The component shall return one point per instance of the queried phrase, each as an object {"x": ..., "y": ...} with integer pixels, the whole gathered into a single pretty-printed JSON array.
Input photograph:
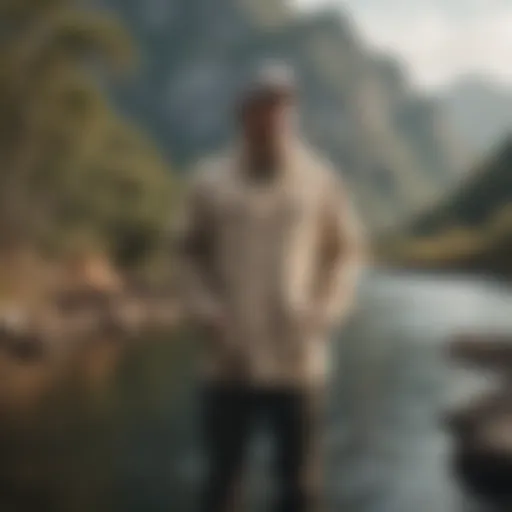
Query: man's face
[{"x": 267, "y": 119}]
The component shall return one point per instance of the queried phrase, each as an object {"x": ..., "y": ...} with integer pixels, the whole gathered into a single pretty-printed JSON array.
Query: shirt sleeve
[
  {"x": 342, "y": 251},
  {"x": 192, "y": 246}
]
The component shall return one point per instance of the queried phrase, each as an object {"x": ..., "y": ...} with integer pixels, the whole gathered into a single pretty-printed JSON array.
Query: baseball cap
[{"x": 271, "y": 78}]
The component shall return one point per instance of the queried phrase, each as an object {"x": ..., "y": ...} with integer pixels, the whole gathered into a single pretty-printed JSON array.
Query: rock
[
  {"x": 483, "y": 462},
  {"x": 17, "y": 337},
  {"x": 482, "y": 455},
  {"x": 483, "y": 351},
  {"x": 482, "y": 429}
]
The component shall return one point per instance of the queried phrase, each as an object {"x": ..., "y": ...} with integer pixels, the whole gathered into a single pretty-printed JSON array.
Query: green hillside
[
  {"x": 483, "y": 193},
  {"x": 471, "y": 231}
]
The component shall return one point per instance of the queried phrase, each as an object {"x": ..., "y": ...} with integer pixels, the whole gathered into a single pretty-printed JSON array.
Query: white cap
[{"x": 270, "y": 76}]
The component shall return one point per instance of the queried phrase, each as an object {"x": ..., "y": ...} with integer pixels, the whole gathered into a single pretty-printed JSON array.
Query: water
[{"x": 390, "y": 384}]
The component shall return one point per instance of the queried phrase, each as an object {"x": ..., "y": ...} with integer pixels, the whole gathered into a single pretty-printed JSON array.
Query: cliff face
[{"x": 357, "y": 107}]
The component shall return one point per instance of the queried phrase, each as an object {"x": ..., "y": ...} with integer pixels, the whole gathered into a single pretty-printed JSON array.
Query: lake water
[{"x": 390, "y": 384}]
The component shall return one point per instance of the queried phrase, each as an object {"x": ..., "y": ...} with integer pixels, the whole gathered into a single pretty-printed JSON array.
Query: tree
[{"x": 69, "y": 161}]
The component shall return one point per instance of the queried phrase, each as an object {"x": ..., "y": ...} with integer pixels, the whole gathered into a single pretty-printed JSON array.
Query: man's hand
[
  {"x": 220, "y": 336},
  {"x": 216, "y": 328},
  {"x": 309, "y": 321}
]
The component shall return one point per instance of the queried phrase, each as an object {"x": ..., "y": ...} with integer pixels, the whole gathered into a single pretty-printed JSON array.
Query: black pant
[{"x": 293, "y": 418}]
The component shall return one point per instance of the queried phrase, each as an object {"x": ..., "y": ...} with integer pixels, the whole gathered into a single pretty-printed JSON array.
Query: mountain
[
  {"x": 482, "y": 194},
  {"x": 471, "y": 230},
  {"x": 481, "y": 110},
  {"x": 394, "y": 147}
]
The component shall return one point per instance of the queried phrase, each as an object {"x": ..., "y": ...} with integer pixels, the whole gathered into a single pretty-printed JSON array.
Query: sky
[{"x": 438, "y": 40}]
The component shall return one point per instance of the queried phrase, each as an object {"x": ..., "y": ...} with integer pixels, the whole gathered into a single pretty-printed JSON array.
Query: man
[{"x": 268, "y": 253}]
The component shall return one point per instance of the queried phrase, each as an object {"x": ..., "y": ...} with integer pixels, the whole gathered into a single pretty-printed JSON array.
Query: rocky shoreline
[{"x": 482, "y": 429}]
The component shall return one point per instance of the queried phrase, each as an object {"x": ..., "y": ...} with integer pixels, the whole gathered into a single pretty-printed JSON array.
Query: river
[{"x": 391, "y": 381}]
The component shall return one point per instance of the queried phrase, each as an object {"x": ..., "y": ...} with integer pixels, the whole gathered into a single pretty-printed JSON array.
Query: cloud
[{"x": 439, "y": 40}]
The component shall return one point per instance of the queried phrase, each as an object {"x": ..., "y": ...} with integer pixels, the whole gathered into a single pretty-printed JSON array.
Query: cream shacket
[{"x": 278, "y": 261}]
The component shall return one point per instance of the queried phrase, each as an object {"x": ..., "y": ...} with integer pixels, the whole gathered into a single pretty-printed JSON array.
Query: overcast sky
[{"x": 438, "y": 39}]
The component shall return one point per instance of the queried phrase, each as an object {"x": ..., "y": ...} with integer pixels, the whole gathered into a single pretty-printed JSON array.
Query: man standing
[{"x": 268, "y": 252}]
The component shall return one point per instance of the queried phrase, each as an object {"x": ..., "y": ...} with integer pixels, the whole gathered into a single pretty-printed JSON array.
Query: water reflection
[
  {"x": 391, "y": 381},
  {"x": 397, "y": 382}
]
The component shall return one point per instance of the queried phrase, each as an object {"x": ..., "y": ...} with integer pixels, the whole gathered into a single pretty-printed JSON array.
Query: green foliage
[{"x": 72, "y": 168}]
